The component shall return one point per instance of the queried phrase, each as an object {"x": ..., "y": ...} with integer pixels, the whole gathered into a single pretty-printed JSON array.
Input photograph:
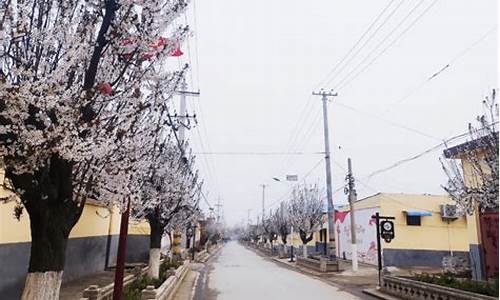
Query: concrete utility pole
[
  {"x": 331, "y": 228},
  {"x": 263, "y": 200},
  {"x": 218, "y": 207},
  {"x": 183, "y": 116},
  {"x": 352, "y": 198}
]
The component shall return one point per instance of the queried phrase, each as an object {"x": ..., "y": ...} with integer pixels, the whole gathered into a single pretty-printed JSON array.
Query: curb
[{"x": 375, "y": 292}]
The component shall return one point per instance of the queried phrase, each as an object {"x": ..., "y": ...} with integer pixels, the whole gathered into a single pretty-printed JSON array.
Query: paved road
[{"x": 240, "y": 274}]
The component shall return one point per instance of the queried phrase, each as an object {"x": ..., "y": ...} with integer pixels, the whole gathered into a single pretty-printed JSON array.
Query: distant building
[{"x": 423, "y": 236}]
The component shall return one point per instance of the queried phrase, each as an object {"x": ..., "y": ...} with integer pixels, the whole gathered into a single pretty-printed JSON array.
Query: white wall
[{"x": 366, "y": 235}]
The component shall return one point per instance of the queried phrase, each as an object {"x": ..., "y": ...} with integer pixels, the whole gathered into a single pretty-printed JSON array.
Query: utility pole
[
  {"x": 351, "y": 191},
  {"x": 183, "y": 116},
  {"x": 248, "y": 217},
  {"x": 331, "y": 228},
  {"x": 263, "y": 201},
  {"x": 218, "y": 206}
]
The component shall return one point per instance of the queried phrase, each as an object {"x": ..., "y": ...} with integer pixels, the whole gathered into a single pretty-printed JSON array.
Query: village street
[
  {"x": 239, "y": 273},
  {"x": 228, "y": 150}
]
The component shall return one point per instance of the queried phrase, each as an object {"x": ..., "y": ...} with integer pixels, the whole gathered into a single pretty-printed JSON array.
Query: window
[{"x": 412, "y": 220}]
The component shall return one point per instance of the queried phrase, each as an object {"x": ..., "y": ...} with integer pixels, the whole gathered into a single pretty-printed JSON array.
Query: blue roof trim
[{"x": 418, "y": 213}]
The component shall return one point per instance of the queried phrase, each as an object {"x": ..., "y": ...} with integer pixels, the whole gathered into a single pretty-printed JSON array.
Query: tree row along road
[{"x": 240, "y": 274}]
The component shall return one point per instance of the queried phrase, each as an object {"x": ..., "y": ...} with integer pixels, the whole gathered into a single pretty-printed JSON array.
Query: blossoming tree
[
  {"x": 169, "y": 198},
  {"x": 306, "y": 211},
  {"x": 473, "y": 182},
  {"x": 72, "y": 85},
  {"x": 281, "y": 223}
]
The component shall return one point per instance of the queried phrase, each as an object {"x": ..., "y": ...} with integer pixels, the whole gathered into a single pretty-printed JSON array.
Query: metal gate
[{"x": 489, "y": 241}]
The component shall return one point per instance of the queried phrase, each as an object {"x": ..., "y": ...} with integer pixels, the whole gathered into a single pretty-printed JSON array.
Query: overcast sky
[{"x": 257, "y": 62}]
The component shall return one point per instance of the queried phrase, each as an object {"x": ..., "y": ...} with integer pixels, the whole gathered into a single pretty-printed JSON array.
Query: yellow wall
[
  {"x": 96, "y": 220},
  {"x": 138, "y": 227},
  {"x": 472, "y": 180},
  {"x": 433, "y": 234},
  {"x": 12, "y": 230}
]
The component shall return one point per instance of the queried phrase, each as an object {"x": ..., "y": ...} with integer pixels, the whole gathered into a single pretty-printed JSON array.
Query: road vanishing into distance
[{"x": 240, "y": 274}]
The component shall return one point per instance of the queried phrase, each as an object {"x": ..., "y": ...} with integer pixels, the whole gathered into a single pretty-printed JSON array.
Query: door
[{"x": 489, "y": 240}]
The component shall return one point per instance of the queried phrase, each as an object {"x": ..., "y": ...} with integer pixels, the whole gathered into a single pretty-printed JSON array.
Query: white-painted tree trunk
[
  {"x": 42, "y": 286},
  {"x": 154, "y": 263},
  {"x": 354, "y": 257},
  {"x": 304, "y": 251}
]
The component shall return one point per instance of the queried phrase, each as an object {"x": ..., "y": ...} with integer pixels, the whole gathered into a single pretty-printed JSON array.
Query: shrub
[
  {"x": 449, "y": 280},
  {"x": 133, "y": 291}
]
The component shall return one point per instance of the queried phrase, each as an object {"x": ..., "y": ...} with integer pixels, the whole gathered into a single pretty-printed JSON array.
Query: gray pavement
[{"x": 239, "y": 274}]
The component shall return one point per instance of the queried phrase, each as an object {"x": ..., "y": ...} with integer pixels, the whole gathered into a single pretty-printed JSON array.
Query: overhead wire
[
  {"x": 290, "y": 189},
  {"x": 348, "y": 78},
  {"x": 392, "y": 123},
  {"x": 334, "y": 71},
  {"x": 461, "y": 54},
  {"x": 294, "y": 141},
  {"x": 304, "y": 139},
  {"x": 386, "y": 195},
  {"x": 416, "y": 156},
  {"x": 210, "y": 175},
  {"x": 417, "y": 88},
  {"x": 196, "y": 44},
  {"x": 296, "y": 132},
  {"x": 266, "y": 153}
]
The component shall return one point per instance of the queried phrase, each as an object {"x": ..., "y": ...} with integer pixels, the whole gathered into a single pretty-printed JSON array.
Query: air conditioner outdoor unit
[{"x": 450, "y": 211}]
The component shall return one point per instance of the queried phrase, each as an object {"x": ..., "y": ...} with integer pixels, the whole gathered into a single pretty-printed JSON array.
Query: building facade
[
  {"x": 422, "y": 236},
  {"x": 91, "y": 248},
  {"x": 482, "y": 233}
]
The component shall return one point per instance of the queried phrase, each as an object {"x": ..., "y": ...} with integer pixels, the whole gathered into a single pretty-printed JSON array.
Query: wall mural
[{"x": 366, "y": 235}]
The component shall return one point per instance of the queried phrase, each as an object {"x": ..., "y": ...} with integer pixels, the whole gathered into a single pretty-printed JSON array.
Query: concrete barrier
[
  {"x": 416, "y": 290},
  {"x": 168, "y": 287},
  {"x": 322, "y": 264},
  {"x": 94, "y": 292}
]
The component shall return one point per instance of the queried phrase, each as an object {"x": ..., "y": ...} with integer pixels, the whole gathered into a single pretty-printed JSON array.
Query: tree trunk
[
  {"x": 154, "y": 247},
  {"x": 305, "y": 239},
  {"x": 283, "y": 238},
  {"x": 48, "y": 199},
  {"x": 154, "y": 263},
  {"x": 42, "y": 285}
]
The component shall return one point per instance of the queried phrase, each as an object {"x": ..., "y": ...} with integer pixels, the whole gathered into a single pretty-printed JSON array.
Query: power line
[
  {"x": 293, "y": 141},
  {"x": 196, "y": 44},
  {"x": 304, "y": 139},
  {"x": 332, "y": 72},
  {"x": 449, "y": 64},
  {"x": 347, "y": 80},
  {"x": 206, "y": 200},
  {"x": 258, "y": 153},
  {"x": 394, "y": 199},
  {"x": 289, "y": 190},
  {"x": 392, "y": 123},
  {"x": 414, "y": 157}
]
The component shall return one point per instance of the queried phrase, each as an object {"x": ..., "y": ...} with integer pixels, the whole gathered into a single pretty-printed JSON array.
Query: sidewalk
[
  {"x": 72, "y": 290},
  {"x": 364, "y": 281},
  {"x": 366, "y": 276},
  {"x": 196, "y": 275},
  {"x": 187, "y": 288}
]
